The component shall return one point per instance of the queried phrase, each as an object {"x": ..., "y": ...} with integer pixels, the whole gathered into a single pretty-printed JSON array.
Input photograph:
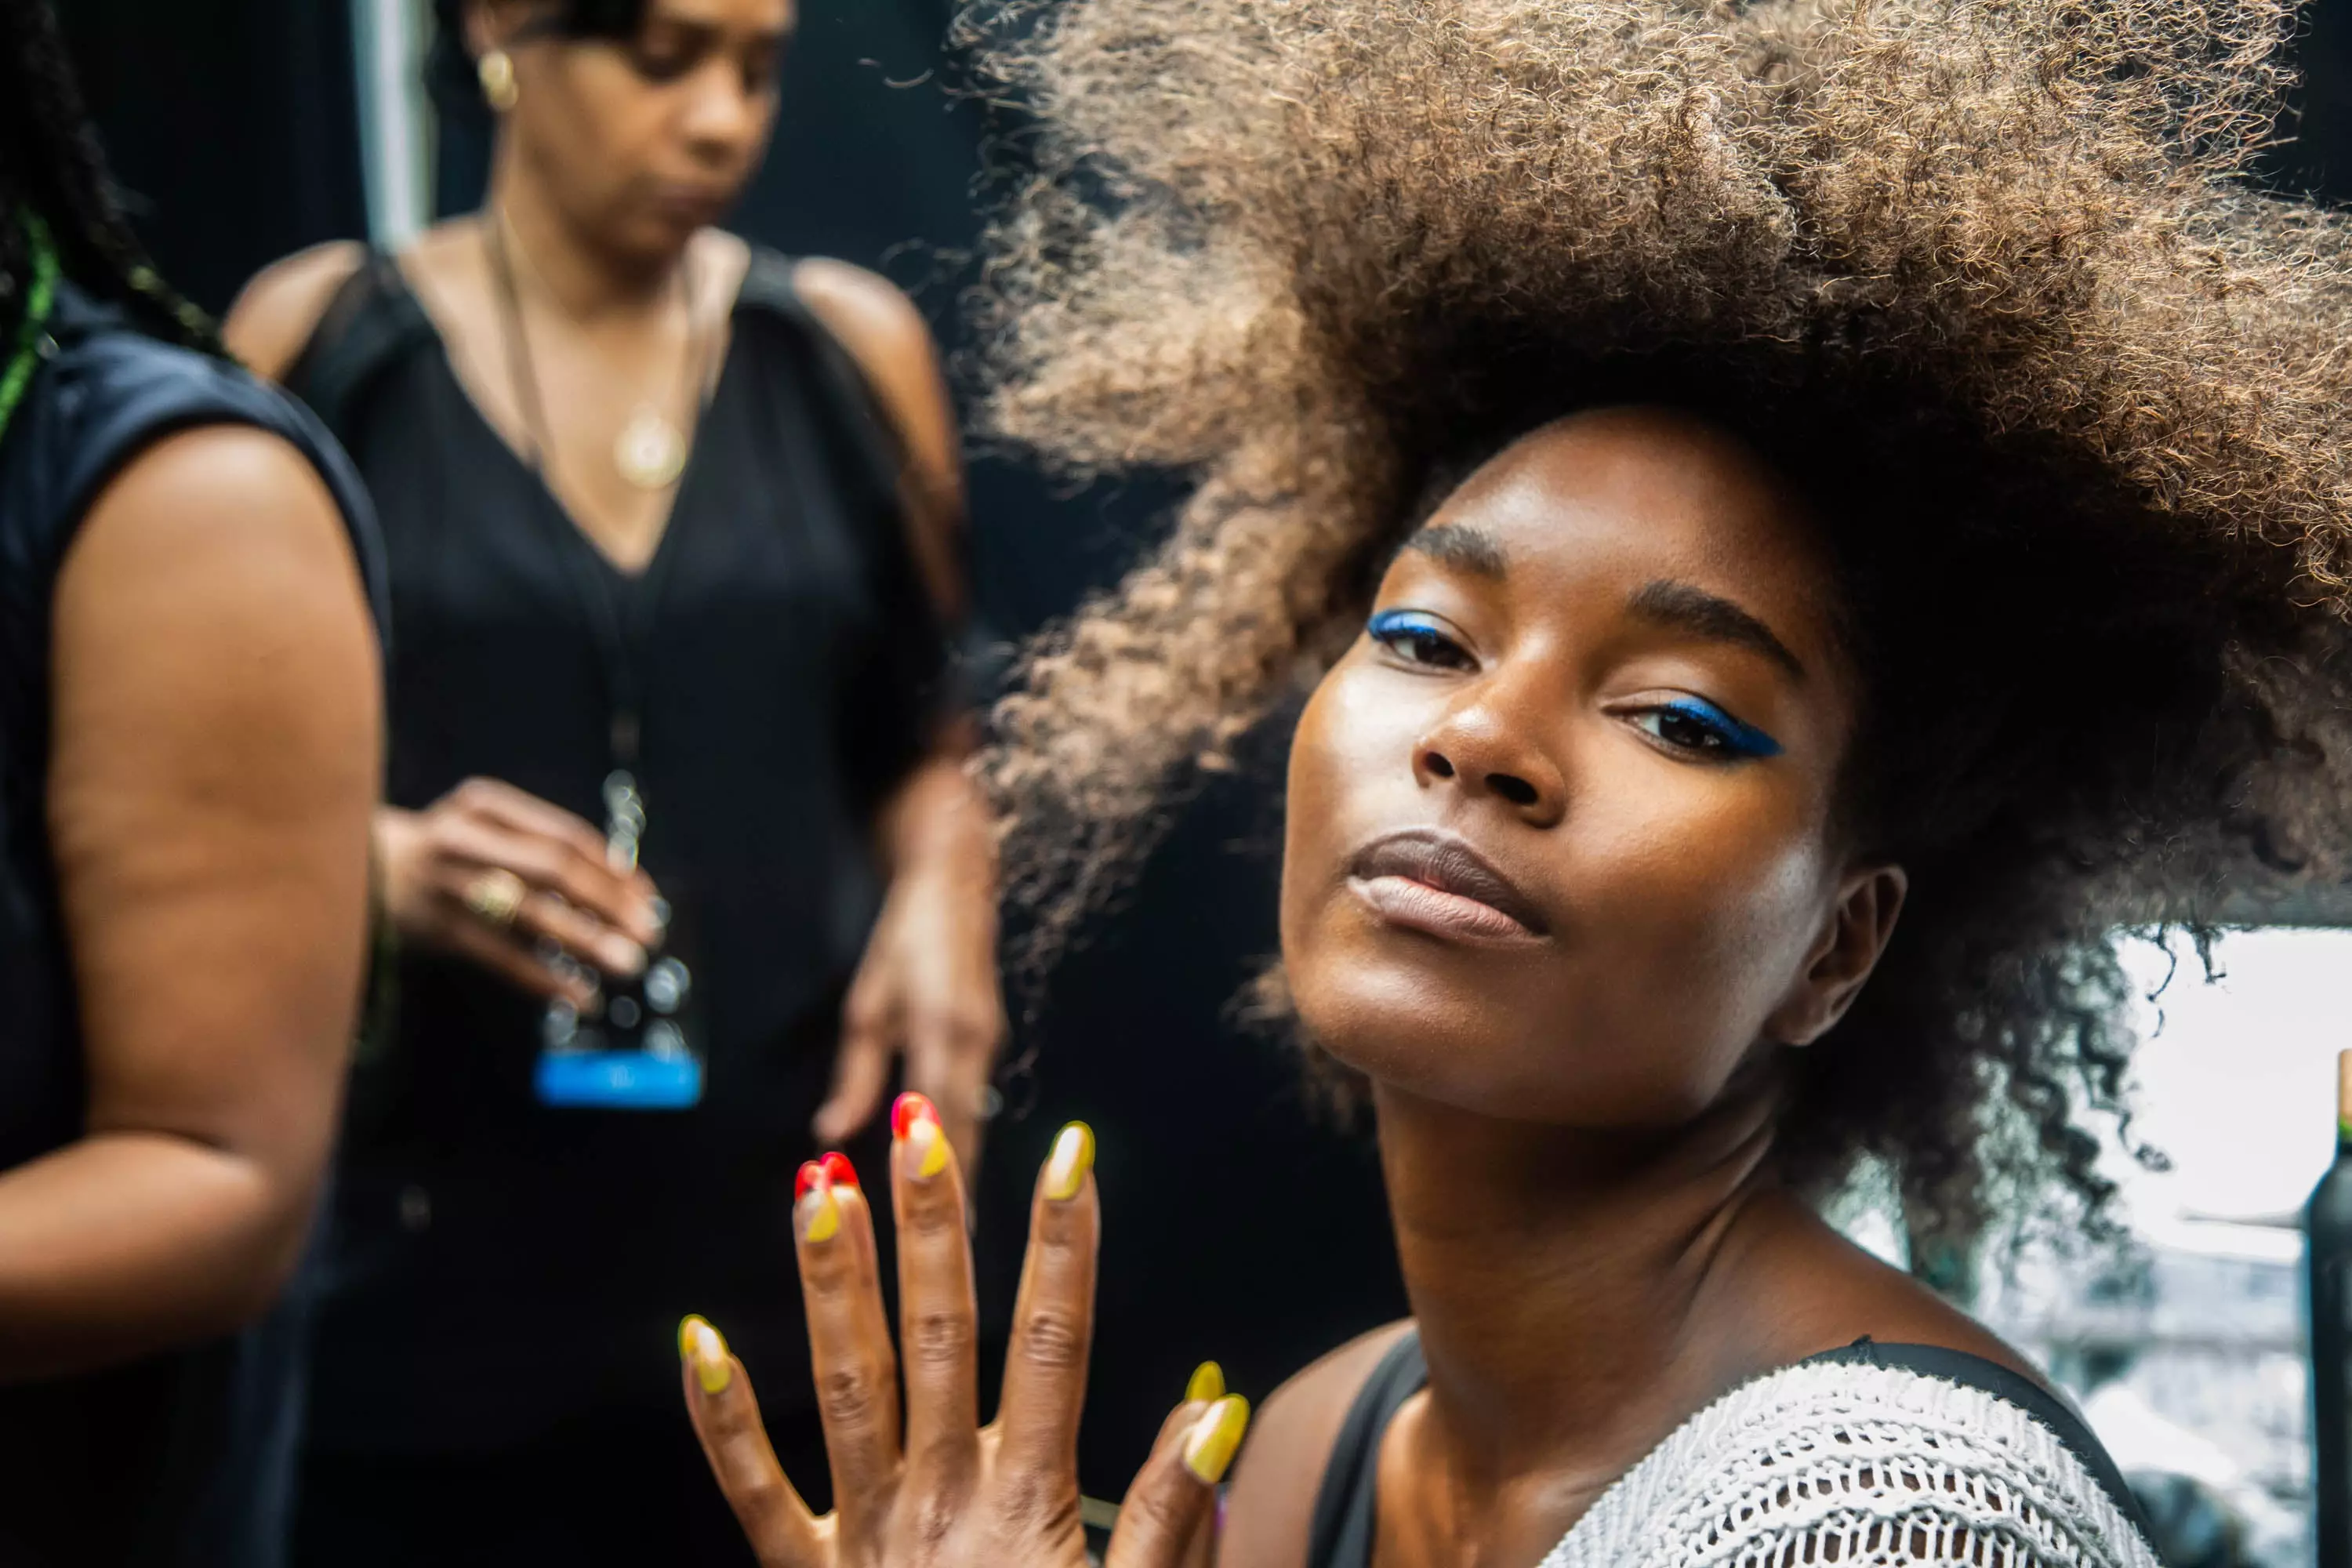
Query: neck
[
  {"x": 1568, "y": 1285},
  {"x": 588, "y": 280}
]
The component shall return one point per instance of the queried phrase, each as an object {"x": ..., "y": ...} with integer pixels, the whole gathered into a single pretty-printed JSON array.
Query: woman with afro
[{"x": 1793, "y": 524}]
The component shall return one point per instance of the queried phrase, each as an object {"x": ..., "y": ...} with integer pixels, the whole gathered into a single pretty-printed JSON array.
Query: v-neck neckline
[{"x": 535, "y": 473}]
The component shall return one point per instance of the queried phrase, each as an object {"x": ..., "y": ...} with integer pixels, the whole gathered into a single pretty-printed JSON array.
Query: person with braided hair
[
  {"x": 1776, "y": 528},
  {"x": 189, "y": 719}
]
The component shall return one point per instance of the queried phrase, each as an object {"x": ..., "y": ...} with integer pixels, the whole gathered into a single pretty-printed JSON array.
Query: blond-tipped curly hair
[{"x": 1984, "y": 278}]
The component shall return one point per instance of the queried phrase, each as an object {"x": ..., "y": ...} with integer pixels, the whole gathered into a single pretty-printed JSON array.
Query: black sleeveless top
[
  {"x": 155, "y": 1462},
  {"x": 1346, "y": 1506},
  {"x": 792, "y": 670}
]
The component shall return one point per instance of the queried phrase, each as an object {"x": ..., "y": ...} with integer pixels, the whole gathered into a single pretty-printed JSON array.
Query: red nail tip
[
  {"x": 839, "y": 1171},
  {"x": 907, "y": 1108},
  {"x": 811, "y": 1174}
]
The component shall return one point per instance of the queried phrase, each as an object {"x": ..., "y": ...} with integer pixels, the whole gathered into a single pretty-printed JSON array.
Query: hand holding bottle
[
  {"x": 946, "y": 1492},
  {"x": 492, "y": 872}
]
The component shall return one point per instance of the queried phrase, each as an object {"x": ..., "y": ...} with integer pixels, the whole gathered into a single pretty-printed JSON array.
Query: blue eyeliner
[
  {"x": 1389, "y": 621},
  {"x": 1739, "y": 740}
]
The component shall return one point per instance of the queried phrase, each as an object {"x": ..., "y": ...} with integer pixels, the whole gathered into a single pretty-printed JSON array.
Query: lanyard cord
[{"x": 616, "y": 634}]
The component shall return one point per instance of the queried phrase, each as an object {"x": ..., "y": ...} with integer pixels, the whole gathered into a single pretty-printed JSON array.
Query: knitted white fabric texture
[{"x": 1859, "y": 1466}]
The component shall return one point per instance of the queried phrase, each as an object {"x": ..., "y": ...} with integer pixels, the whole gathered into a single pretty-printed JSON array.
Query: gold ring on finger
[{"x": 495, "y": 896}]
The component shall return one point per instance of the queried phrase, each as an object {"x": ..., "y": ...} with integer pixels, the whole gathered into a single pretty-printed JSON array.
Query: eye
[
  {"x": 1419, "y": 638},
  {"x": 1695, "y": 725},
  {"x": 663, "y": 54},
  {"x": 760, "y": 67}
]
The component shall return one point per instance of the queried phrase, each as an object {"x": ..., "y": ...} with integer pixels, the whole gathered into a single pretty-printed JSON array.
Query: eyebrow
[
  {"x": 1665, "y": 602},
  {"x": 1462, "y": 544},
  {"x": 1684, "y": 607}
]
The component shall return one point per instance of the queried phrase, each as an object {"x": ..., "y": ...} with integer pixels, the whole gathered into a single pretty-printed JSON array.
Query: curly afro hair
[{"x": 1984, "y": 278}]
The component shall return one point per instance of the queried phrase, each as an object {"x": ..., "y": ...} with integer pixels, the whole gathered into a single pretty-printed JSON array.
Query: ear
[
  {"x": 489, "y": 24},
  {"x": 1852, "y": 935}
]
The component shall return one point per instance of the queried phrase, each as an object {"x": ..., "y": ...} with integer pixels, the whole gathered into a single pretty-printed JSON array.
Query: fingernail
[
  {"x": 818, "y": 1215},
  {"x": 1215, "y": 1436},
  {"x": 840, "y": 1172},
  {"x": 1208, "y": 1384},
  {"x": 925, "y": 1145},
  {"x": 622, "y": 956},
  {"x": 811, "y": 1173},
  {"x": 908, "y": 1110},
  {"x": 1073, "y": 1157},
  {"x": 704, "y": 1346}
]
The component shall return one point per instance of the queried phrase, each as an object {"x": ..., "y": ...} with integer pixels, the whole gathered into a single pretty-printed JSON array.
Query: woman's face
[
  {"x": 1559, "y": 843},
  {"x": 643, "y": 141}
]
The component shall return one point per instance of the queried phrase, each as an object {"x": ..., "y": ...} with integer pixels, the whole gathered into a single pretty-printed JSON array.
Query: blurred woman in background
[
  {"x": 189, "y": 722},
  {"x": 677, "y": 828}
]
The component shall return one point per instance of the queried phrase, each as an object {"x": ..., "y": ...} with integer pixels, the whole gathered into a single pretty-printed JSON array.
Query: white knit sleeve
[{"x": 1861, "y": 1466}]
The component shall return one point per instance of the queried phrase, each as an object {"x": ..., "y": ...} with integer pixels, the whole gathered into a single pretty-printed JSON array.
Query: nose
[
  {"x": 724, "y": 112},
  {"x": 1474, "y": 750}
]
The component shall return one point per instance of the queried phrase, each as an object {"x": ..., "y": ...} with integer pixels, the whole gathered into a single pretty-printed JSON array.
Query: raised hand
[{"x": 943, "y": 1492}]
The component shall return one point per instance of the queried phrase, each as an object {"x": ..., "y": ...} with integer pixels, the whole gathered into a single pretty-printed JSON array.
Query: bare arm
[
  {"x": 215, "y": 755},
  {"x": 927, "y": 987}
]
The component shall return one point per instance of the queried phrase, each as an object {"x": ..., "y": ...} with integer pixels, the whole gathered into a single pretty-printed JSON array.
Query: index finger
[
  {"x": 1053, "y": 1317},
  {"x": 526, "y": 813},
  {"x": 519, "y": 811}
]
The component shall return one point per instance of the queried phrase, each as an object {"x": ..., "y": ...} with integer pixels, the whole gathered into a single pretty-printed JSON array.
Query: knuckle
[
  {"x": 1035, "y": 1501},
  {"x": 931, "y": 1215},
  {"x": 1051, "y": 1339},
  {"x": 939, "y": 1337},
  {"x": 932, "y": 1519},
  {"x": 1151, "y": 1513},
  {"x": 848, "y": 1394}
]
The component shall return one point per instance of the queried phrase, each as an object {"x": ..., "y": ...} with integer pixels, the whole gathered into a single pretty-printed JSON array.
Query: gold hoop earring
[{"x": 497, "y": 71}]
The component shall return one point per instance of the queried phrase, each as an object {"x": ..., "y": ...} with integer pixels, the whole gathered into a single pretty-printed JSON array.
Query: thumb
[
  {"x": 1173, "y": 1495},
  {"x": 861, "y": 1077}
]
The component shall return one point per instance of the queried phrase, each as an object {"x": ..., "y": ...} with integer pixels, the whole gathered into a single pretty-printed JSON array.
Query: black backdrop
[{"x": 1236, "y": 1227}]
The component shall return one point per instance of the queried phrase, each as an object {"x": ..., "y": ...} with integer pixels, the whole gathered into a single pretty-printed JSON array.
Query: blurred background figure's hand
[
  {"x": 947, "y": 1492},
  {"x": 926, "y": 988}
]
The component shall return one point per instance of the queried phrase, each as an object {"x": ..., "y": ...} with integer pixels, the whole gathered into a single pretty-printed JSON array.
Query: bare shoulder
[
  {"x": 1271, "y": 1505},
  {"x": 1837, "y": 1293},
  {"x": 279, "y": 309},
  {"x": 217, "y": 506},
  {"x": 872, "y": 315},
  {"x": 880, "y": 326},
  {"x": 887, "y": 336}
]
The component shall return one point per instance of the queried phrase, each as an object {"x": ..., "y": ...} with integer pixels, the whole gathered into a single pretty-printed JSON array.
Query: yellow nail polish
[
  {"x": 686, "y": 1335},
  {"x": 820, "y": 1214},
  {"x": 1215, "y": 1436},
  {"x": 1208, "y": 1383},
  {"x": 927, "y": 1149},
  {"x": 1073, "y": 1157},
  {"x": 712, "y": 1370}
]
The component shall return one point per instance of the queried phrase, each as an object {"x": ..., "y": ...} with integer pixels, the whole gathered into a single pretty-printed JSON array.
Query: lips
[{"x": 1435, "y": 881}]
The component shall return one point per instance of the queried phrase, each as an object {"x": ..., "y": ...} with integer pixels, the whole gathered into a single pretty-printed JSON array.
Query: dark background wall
[{"x": 1237, "y": 1227}]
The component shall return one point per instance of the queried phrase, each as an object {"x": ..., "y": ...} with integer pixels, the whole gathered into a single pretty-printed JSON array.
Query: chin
[{"x": 1406, "y": 1027}]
